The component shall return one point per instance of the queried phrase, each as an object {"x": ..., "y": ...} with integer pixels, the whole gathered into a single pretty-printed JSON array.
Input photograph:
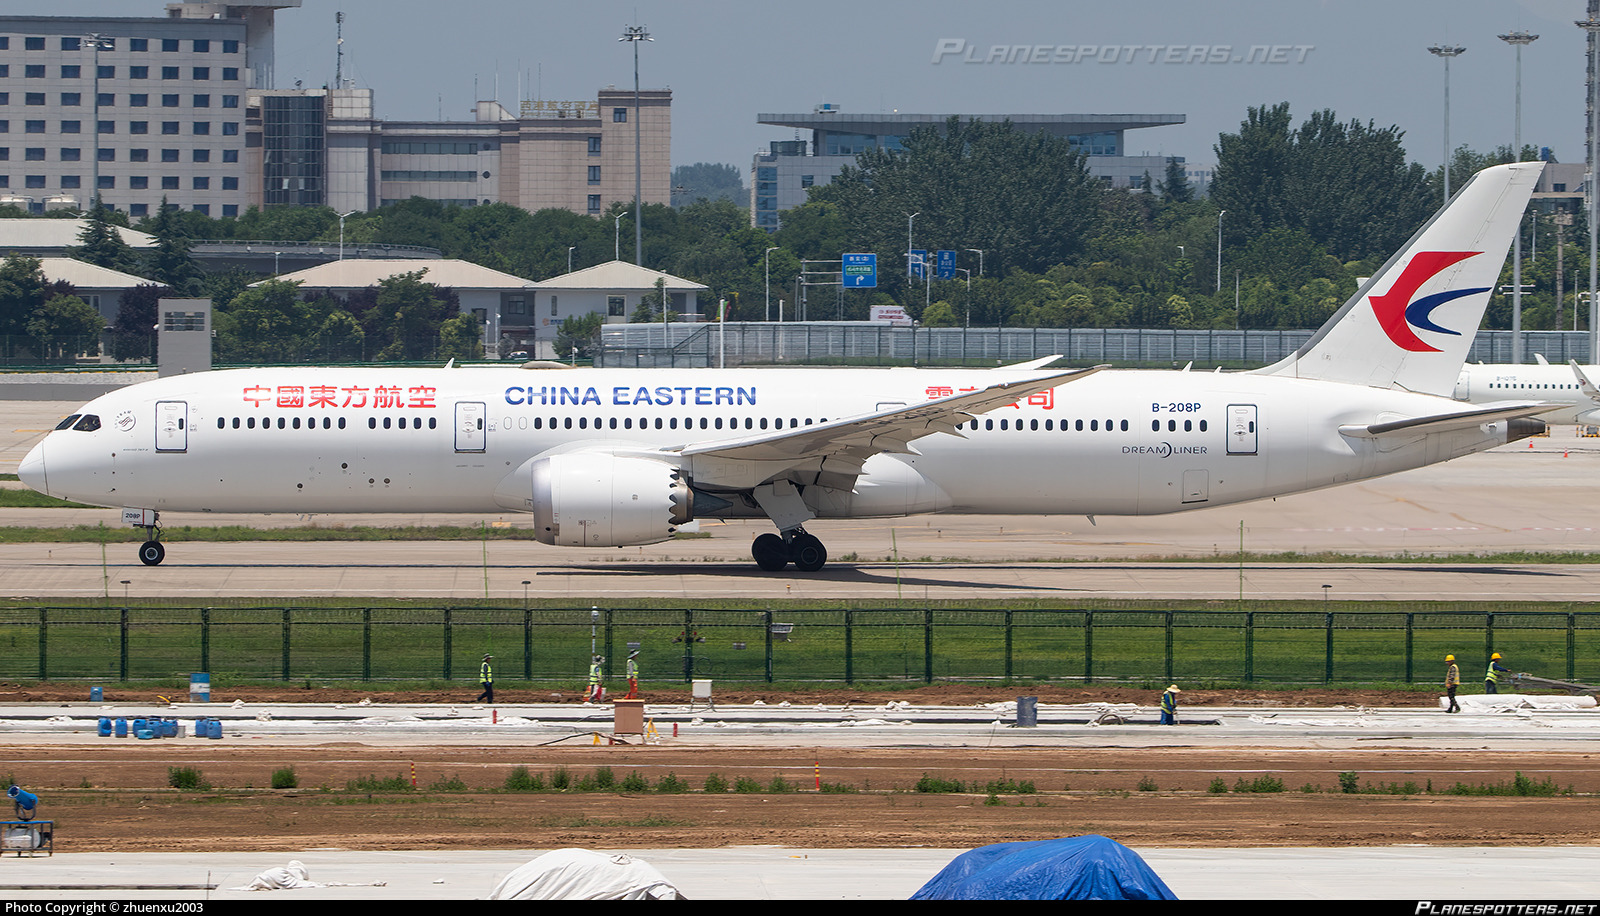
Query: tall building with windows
[
  {"x": 136, "y": 109},
  {"x": 182, "y": 108},
  {"x": 781, "y": 176}
]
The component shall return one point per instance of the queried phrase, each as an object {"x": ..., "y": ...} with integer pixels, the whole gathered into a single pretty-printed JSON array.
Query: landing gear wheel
[
  {"x": 807, "y": 553},
  {"x": 770, "y": 552},
  {"x": 151, "y": 553}
]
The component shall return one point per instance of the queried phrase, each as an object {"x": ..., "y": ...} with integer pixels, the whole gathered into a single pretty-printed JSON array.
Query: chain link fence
[{"x": 764, "y": 646}]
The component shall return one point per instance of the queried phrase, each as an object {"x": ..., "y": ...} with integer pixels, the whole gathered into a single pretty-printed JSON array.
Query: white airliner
[
  {"x": 1570, "y": 387},
  {"x": 621, "y": 457}
]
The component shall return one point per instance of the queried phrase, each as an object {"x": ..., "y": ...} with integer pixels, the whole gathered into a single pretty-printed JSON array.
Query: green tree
[
  {"x": 460, "y": 337},
  {"x": 1345, "y": 184},
  {"x": 23, "y": 288},
  {"x": 580, "y": 333},
  {"x": 264, "y": 324},
  {"x": 1176, "y": 188},
  {"x": 65, "y": 326},
  {"x": 133, "y": 334},
  {"x": 170, "y": 261},
  {"x": 405, "y": 318},
  {"x": 101, "y": 244},
  {"x": 1025, "y": 197}
]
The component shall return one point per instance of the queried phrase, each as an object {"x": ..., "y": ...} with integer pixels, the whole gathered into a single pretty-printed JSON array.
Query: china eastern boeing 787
[{"x": 620, "y": 457}]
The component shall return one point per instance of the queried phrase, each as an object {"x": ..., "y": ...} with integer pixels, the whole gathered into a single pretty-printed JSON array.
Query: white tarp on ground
[
  {"x": 579, "y": 874},
  {"x": 293, "y": 876},
  {"x": 1504, "y": 702}
]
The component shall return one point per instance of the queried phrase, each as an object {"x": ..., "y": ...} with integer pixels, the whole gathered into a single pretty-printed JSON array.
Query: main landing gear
[{"x": 773, "y": 552}]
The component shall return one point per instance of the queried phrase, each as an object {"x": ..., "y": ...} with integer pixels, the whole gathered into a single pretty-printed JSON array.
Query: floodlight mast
[{"x": 636, "y": 34}]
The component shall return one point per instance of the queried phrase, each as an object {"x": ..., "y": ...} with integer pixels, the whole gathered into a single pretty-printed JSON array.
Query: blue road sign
[
  {"x": 946, "y": 264},
  {"x": 860, "y": 271},
  {"x": 917, "y": 263}
]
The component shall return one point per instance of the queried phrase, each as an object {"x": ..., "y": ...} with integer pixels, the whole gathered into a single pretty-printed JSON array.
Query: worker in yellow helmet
[
  {"x": 1452, "y": 680},
  {"x": 1492, "y": 678}
]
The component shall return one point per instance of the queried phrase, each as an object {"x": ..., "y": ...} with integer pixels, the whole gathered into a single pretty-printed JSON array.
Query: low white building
[
  {"x": 613, "y": 289},
  {"x": 488, "y": 294},
  {"x": 101, "y": 287}
]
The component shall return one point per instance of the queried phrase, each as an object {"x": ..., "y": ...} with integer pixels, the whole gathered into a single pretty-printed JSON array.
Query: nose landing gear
[{"x": 151, "y": 553}]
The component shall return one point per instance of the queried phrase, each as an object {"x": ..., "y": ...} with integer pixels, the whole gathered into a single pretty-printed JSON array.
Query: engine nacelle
[{"x": 598, "y": 499}]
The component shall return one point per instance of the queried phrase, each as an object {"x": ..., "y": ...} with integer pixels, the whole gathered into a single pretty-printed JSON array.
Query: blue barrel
[
  {"x": 94, "y": 694},
  {"x": 105, "y": 727},
  {"x": 169, "y": 728},
  {"x": 121, "y": 728},
  {"x": 214, "y": 728},
  {"x": 1027, "y": 712},
  {"x": 144, "y": 734},
  {"x": 200, "y": 727},
  {"x": 199, "y": 688}
]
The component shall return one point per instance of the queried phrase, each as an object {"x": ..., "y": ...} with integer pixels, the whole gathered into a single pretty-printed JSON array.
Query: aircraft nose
[{"x": 31, "y": 470}]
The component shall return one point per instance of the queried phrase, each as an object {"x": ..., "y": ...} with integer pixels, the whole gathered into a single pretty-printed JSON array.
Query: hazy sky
[{"x": 727, "y": 60}]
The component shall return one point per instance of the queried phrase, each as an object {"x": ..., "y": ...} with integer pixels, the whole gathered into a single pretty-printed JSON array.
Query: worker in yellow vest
[
  {"x": 1452, "y": 680},
  {"x": 1491, "y": 680},
  {"x": 633, "y": 675},
  {"x": 486, "y": 677},
  {"x": 596, "y": 692}
]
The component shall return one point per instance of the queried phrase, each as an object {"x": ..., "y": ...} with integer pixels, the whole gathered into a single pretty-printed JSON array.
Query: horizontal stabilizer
[{"x": 1440, "y": 422}]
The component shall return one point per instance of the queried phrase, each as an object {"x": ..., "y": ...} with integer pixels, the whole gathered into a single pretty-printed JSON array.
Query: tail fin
[{"x": 1411, "y": 324}]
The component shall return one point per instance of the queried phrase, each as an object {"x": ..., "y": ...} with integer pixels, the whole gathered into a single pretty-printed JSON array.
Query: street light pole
[
  {"x": 97, "y": 44},
  {"x": 636, "y": 34},
  {"x": 968, "y": 322},
  {"x": 342, "y": 217},
  {"x": 616, "y": 238},
  {"x": 1446, "y": 52},
  {"x": 1517, "y": 39},
  {"x": 1219, "y": 250},
  {"x": 980, "y": 259},
  {"x": 570, "y": 250},
  {"x": 768, "y": 259}
]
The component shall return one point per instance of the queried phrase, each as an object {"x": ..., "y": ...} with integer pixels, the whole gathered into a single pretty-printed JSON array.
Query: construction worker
[
  {"x": 1169, "y": 705},
  {"x": 486, "y": 677},
  {"x": 633, "y": 675},
  {"x": 1491, "y": 679},
  {"x": 595, "y": 690},
  {"x": 1452, "y": 680}
]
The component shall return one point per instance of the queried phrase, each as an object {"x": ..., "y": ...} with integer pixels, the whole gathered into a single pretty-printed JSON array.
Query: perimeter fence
[{"x": 843, "y": 645}]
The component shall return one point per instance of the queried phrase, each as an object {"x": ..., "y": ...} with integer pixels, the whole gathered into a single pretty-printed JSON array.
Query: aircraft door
[
  {"x": 1242, "y": 429},
  {"x": 471, "y": 421},
  {"x": 1463, "y": 385},
  {"x": 172, "y": 426}
]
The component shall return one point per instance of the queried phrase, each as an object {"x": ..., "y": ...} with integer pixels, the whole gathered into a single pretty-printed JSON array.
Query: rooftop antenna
[{"x": 338, "y": 66}]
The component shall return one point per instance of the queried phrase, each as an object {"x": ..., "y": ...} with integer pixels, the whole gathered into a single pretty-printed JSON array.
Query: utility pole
[{"x": 1592, "y": 26}]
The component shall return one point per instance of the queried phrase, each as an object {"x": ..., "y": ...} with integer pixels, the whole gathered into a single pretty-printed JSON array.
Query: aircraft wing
[
  {"x": 831, "y": 454},
  {"x": 1458, "y": 419}
]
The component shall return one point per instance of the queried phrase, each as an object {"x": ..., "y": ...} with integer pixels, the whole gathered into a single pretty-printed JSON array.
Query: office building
[{"x": 781, "y": 176}]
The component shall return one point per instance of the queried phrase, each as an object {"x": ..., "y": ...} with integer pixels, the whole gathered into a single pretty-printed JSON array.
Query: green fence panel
[{"x": 1048, "y": 645}]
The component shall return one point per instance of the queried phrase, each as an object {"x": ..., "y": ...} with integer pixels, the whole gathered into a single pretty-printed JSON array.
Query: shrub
[
  {"x": 838, "y": 788},
  {"x": 1147, "y": 785},
  {"x": 934, "y": 785},
  {"x": 1010, "y": 787},
  {"x": 744, "y": 785},
  {"x": 1263, "y": 783},
  {"x": 633, "y": 782},
  {"x": 1217, "y": 787},
  {"x": 452, "y": 784},
  {"x": 520, "y": 780},
  {"x": 778, "y": 786},
  {"x": 671, "y": 784},
  {"x": 285, "y": 779},
  {"x": 374, "y": 784},
  {"x": 186, "y": 778},
  {"x": 561, "y": 780},
  {"x": 715, "y": 784},
  {"x": 1348, "y": 782}
]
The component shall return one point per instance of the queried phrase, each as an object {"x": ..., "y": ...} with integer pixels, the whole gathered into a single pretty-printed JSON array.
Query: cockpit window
[
  {"x": 67, "y": 423},
  {"x": 88, "y": 424}
]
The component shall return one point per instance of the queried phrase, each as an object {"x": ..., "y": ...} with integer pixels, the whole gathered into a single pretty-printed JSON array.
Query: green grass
[{"x": 13, "y": 498}]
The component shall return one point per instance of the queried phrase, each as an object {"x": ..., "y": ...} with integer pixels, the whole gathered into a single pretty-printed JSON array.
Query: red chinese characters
[{"x": 327, "y": 397}]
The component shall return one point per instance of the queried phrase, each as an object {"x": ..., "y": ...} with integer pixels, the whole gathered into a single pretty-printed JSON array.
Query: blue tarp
[{"x": 1074, "y": 868}]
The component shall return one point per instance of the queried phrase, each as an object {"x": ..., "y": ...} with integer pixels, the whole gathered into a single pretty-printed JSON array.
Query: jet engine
[{"x": 599, "y": 499}]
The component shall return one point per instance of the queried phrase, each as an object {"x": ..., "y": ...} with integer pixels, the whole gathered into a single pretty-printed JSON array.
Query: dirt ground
[
  {"x": 941, "y": 694},
  {"x": 116, "y": 796}
]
